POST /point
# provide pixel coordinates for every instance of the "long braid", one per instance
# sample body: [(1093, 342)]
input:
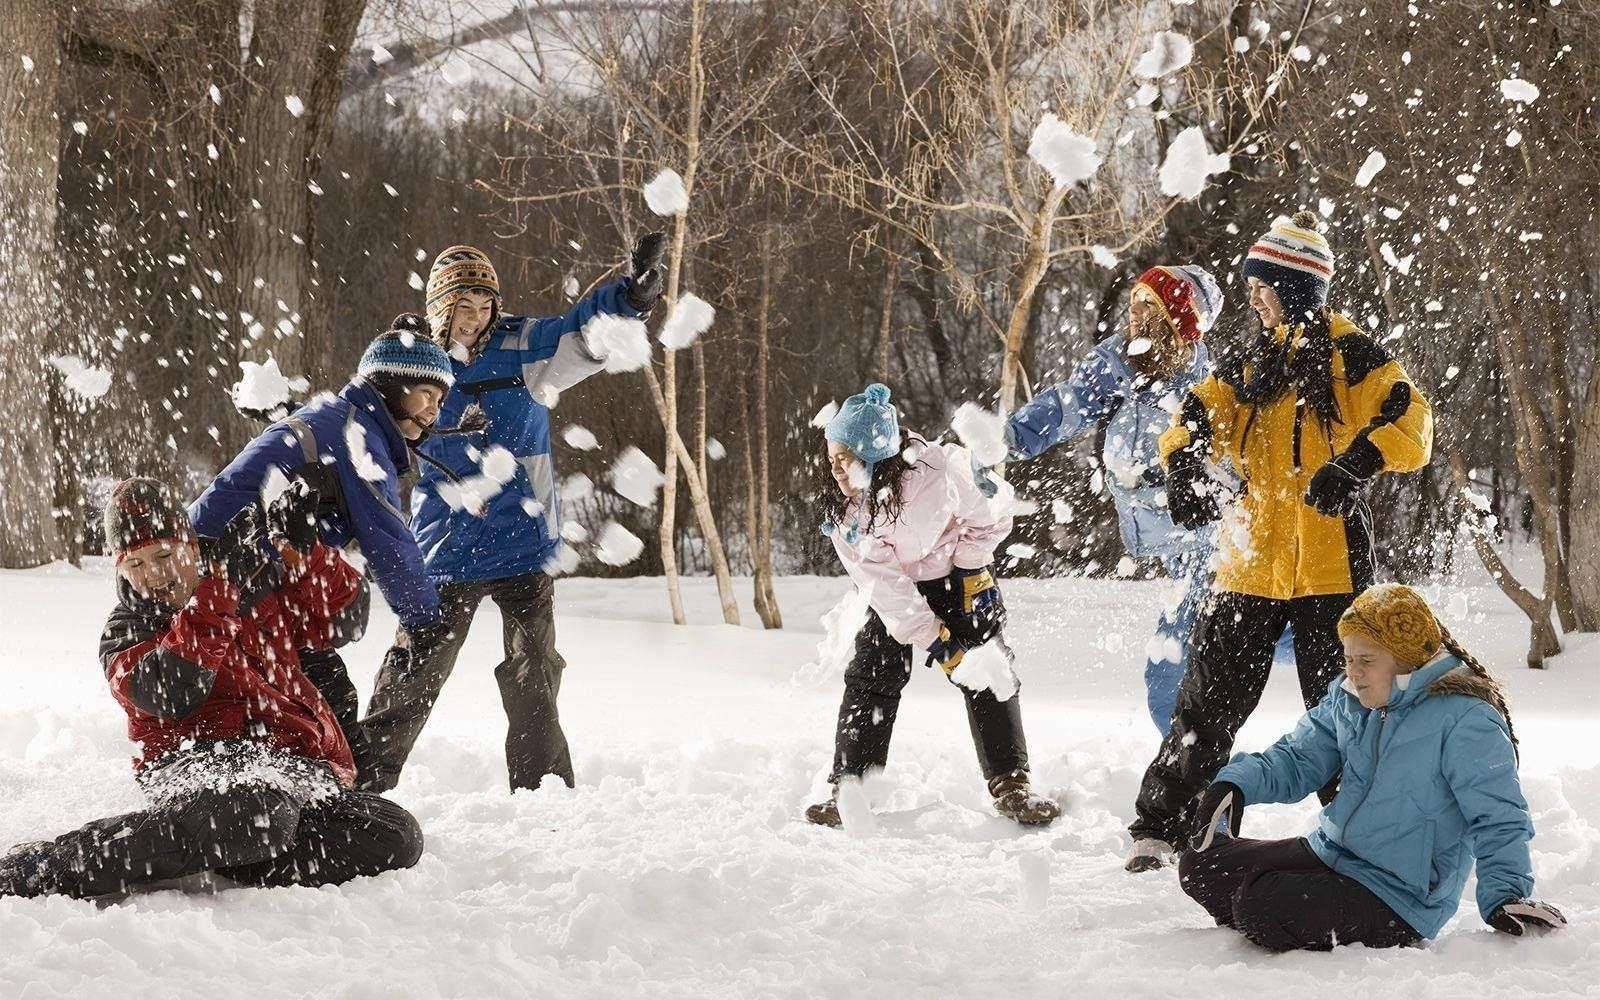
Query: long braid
[(1497, 691)]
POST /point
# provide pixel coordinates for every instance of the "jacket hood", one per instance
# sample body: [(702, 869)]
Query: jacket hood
[(360, 394)]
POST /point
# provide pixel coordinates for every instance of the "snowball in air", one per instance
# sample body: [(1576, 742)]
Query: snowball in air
[(666, 195), (1518, 90), (983, 432), (1189, 162), (1375, 162), (623, 342), (296, 106), (1168, 53), (826, 414), (581, 438), (987, 668), (1068, 156), (83, 379), (635, 477), (617, 546), (691, 316), (261, 387)]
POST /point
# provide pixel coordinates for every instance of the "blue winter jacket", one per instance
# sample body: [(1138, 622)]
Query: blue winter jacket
[(368, 486), (1102, 386), (519, 530), (1429, 783)]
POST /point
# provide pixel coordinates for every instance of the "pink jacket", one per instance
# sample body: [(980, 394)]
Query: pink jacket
[(945, 523)]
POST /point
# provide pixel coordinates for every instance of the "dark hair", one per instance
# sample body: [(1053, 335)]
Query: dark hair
[(1274, 367), (884, 495), (1495, 693)]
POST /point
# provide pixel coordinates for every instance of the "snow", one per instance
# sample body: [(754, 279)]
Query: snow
[(690, 317), (296, 106), (982, 431), (666, 195), (623, 342), (1374, 162), (987, 668), (824, 416), (681, 868), (580, 437), (635, 477), (497, 467), (617, 546), (1102, 256), (1189, 162), (367, 467), (82, 378), (1168, 53), (1057, 147), (715, 450), (1521, 91)]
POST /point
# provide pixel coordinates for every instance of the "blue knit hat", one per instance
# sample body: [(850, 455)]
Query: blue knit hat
[(868, 425), (405, 354)]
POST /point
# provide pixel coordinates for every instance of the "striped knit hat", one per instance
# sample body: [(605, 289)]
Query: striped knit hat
[(1296, 261), (457, 270), (405, 355), (1188, 295)]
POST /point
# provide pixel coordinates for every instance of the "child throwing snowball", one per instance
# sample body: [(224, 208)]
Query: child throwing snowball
[(917, 537), (1422, 735)]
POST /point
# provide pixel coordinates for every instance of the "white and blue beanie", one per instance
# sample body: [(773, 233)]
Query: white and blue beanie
[(1295, 259), (868, 425), (405, 354)]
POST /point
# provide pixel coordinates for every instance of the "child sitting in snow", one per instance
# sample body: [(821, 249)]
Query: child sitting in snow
[(1422, 735), (916, 536), (242, 760)]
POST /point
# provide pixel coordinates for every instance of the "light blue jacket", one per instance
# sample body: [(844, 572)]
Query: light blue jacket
[(1102, 386), (1429, 784)]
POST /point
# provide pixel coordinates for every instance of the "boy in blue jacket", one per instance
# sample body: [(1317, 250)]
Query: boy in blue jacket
[(508, 369), (352, 449), (1423, 737)]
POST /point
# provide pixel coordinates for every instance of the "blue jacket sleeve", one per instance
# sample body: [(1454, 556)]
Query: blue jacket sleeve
[(1480, 764), (1302, 761), (380, 528), (542, 335), (1063, 411), (240, 483)]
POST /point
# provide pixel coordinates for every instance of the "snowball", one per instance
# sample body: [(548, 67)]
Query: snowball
[(381, 55), (261, 387), (1126, 566), (987, 668), (580, 438), (1300, 54), (415, 281), (1146, 94), (635, 477), (455, 69), (617, 545), (1374, 162), (1102, 256), (82, 378), (623, 342), (1513, 138), (1401, 264), (1068, 156), (572, 531), (1138, 346), (564, 561), (714, 450), (498, 464), (666, 195), (1168, 53), (983, 432), (296, 106), (570, 287), (691, 316), (274, 484), (576, 487), (1520, 91), (826, 414), (1020, 551), (355, 441), (1189, 162)]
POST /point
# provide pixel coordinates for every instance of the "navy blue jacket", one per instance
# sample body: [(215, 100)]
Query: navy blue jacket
[(355, 437)]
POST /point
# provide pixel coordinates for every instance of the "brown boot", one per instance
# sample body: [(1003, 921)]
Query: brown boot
[(826, 813), (1015, 799)]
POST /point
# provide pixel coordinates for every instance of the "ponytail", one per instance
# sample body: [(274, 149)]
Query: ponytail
[(1493, 691)]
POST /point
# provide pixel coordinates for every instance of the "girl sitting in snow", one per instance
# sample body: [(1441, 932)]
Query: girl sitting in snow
[(1422, 735), (916, 536)]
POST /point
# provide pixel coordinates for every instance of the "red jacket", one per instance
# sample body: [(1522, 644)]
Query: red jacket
[(209, 672)]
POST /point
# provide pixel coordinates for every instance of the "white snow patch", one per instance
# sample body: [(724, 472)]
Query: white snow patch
[(1168, 53), (623, 342), (691, 316), (261, 386), (1138, 346), (575, 487), (715, 450), (497, 467), (1518, 90), (617, 546), (82, 378), (367, 467), (296, 106), (1033, 867), (982, 431), (1189, 162), (666, 195), (634, 477), (580, 437), (1374, 162), (1058, 148), (573, 531), (826, 414), (987, 668), (1102, 256), (570, 288), (381, 55)]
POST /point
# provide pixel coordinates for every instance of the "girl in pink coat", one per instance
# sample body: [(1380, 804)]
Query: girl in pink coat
[(917, 538)]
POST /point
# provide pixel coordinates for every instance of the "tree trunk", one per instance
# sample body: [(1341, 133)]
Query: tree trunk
[(1035, 262), (1584, 551), (30, 75), (886, 314), (766, 596), (752, 529)]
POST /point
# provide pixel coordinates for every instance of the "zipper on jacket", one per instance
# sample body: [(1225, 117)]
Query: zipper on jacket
[(1377, 751), (1299, 412)]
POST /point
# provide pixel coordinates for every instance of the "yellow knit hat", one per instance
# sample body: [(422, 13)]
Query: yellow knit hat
[(1397, 618)]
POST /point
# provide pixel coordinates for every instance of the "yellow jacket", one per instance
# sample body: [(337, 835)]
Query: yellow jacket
[(1281, 547)]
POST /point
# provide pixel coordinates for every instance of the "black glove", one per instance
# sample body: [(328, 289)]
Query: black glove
[(983, 612), (293, 516), (1191, 495), (1223, 798), (422, 640), (1515, 916), (648, 276), (239, 549), (1336, 488)]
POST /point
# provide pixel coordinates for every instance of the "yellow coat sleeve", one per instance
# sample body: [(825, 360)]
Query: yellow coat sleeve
[(1206, 414), (1398, 418)]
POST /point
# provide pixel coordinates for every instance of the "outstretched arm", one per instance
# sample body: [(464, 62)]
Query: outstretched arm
[(1065, 410)]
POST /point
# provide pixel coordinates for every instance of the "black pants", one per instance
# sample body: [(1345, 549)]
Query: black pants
[(326, 669), (254, 833), (879, 671), (1281, 896), (1231, 656), (529, 677)]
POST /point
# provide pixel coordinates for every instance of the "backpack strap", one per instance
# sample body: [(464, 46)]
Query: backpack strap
[(306, 436)]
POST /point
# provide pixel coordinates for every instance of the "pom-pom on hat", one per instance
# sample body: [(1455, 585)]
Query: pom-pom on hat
[(1188, 295), (1397, 618), (1295, 259), (455, 271), (140, 511), (405, 355)]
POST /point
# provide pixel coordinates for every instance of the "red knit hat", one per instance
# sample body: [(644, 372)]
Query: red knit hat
[(141, 511), (1188, 295)]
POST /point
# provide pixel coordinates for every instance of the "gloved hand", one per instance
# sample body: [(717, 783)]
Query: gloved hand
[(1191, 494), (983, 611), (1335, 490), (648, 276), (983, 479), (1222, 799), (946, 651), (292, 517), (238, 550), (1515, 916), (423, 640)]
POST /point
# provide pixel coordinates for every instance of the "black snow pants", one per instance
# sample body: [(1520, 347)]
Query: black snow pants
[(252, 829), (1229, 659), (326, 669), (879, 671), (1281, 896), (529, 677)]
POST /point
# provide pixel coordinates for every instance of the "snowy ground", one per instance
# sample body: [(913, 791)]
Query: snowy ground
[(681, 868)]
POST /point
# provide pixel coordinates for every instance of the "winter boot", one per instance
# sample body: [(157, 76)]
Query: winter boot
[(1014, 799), (1148, 855), (25, 870), (826, 813)]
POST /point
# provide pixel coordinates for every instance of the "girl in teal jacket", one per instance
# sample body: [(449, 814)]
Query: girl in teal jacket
[(1420, 733)]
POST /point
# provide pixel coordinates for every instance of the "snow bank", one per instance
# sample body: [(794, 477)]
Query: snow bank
[(690, 317), (1058, 148)]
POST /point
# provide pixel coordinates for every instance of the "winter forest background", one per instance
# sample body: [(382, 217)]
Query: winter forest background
[(189, 187)]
